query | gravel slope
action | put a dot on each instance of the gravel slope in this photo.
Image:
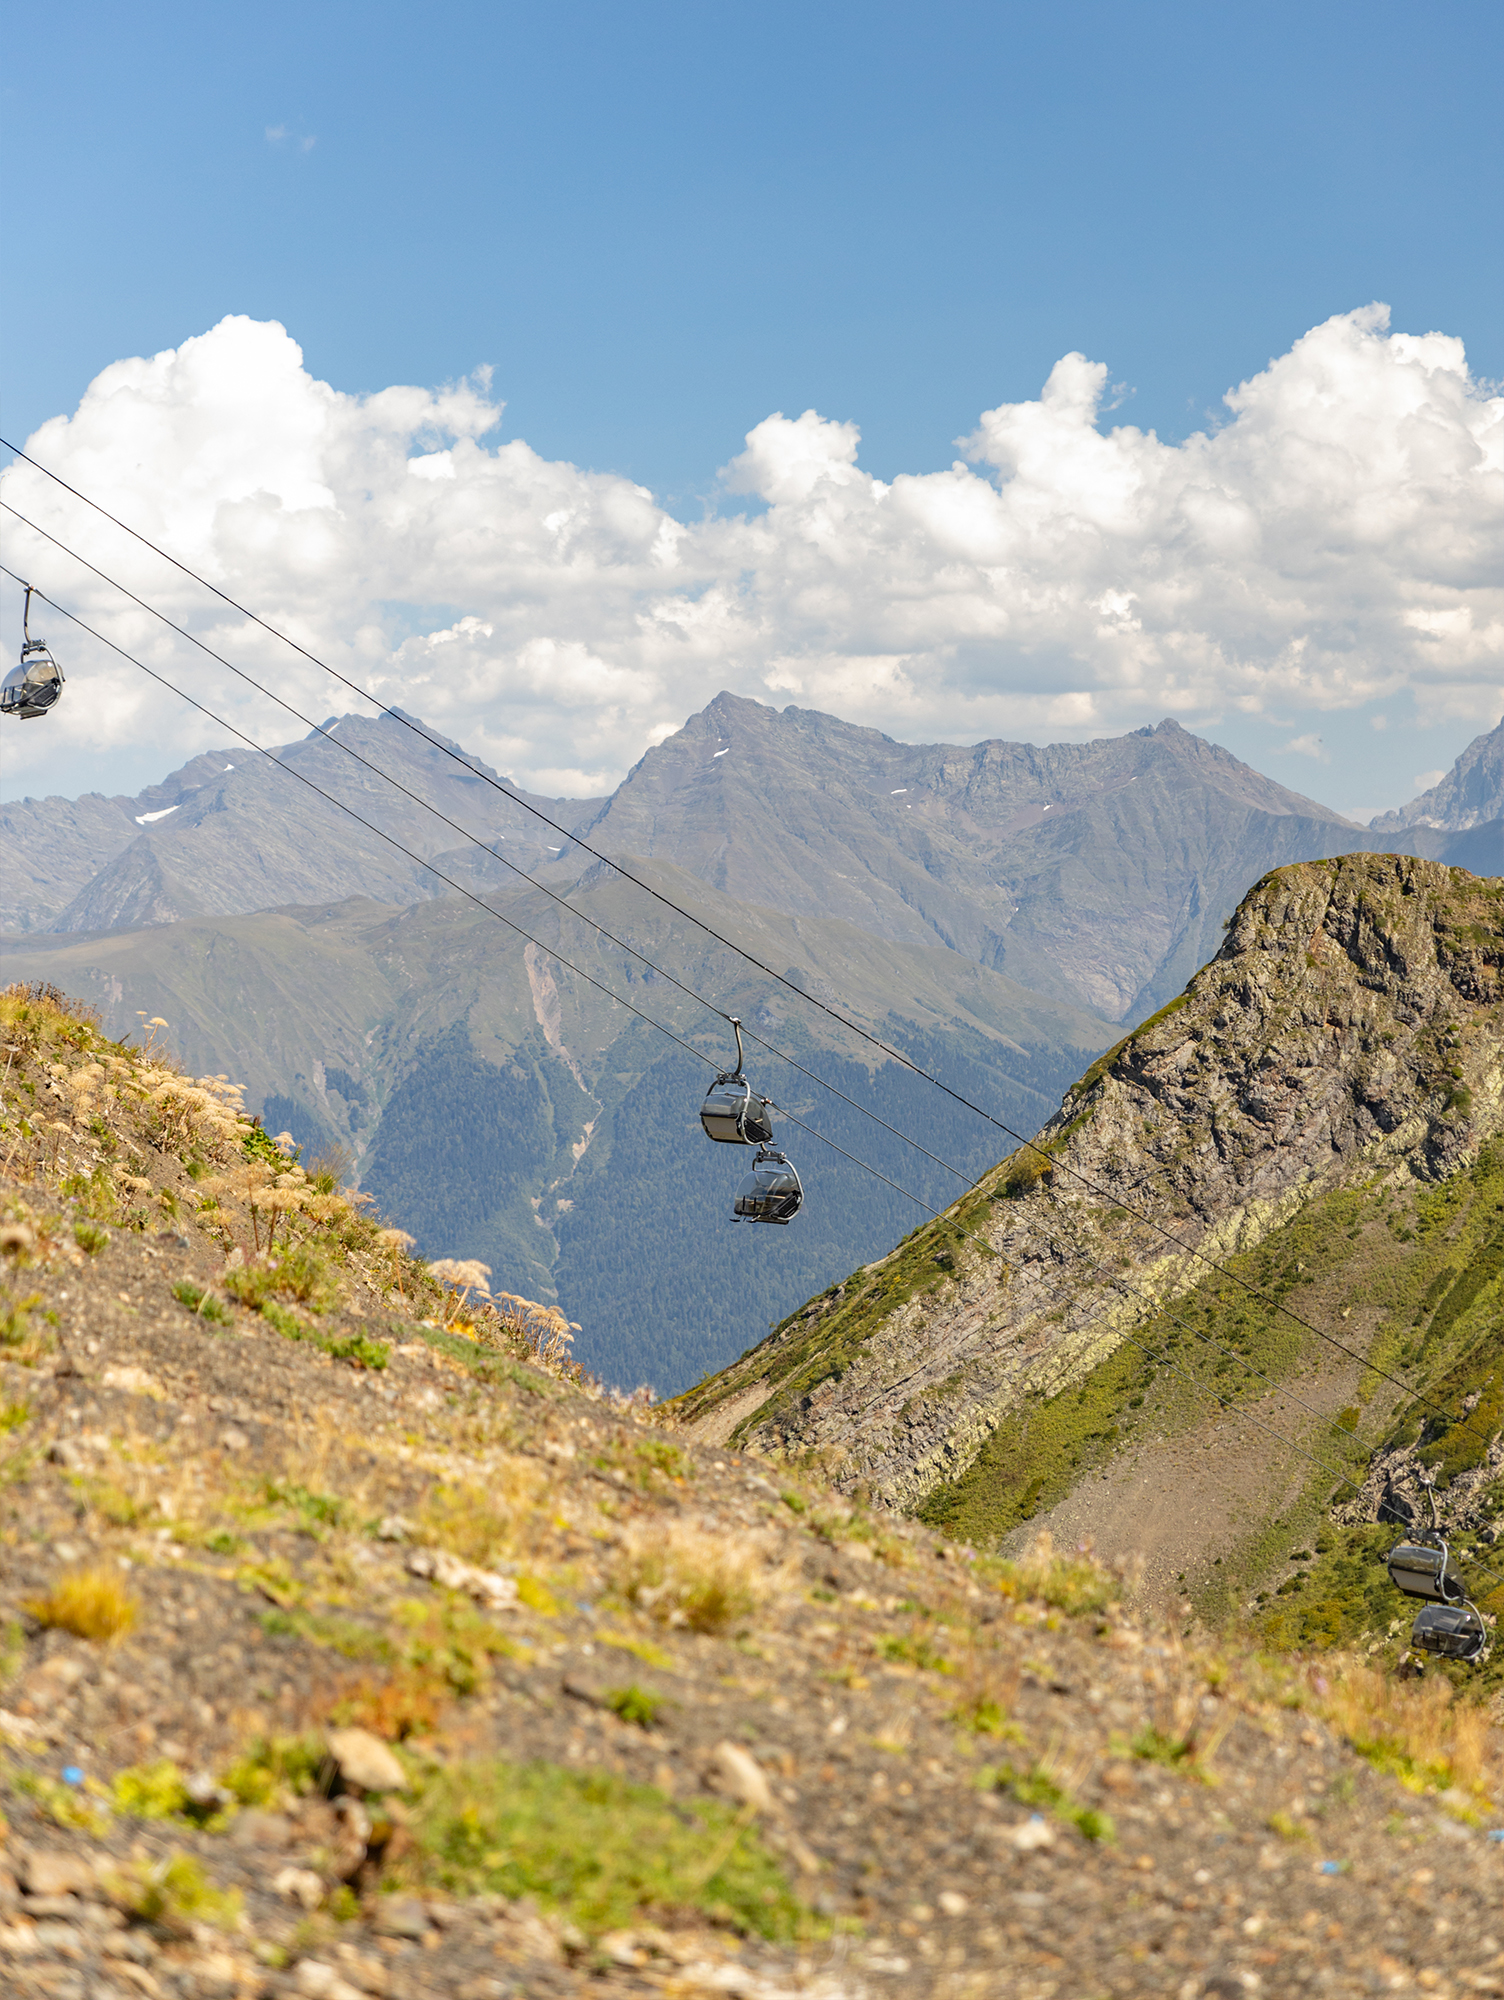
(914, 1737)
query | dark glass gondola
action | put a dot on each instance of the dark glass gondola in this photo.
(732, 1113)
(771, 1192)
(1424, 1568)
(1455, 1631)
(31, 687)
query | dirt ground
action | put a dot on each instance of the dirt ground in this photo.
(964, 1777)
(1166, 1513)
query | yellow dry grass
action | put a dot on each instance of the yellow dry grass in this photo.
(682, 1577)
(1417, 1730)
(485, 1524)
(90, 1603)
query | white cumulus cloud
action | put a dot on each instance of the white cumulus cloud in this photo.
(1338, 538)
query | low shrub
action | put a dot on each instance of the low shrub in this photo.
(598, 1849)
(684, 1578)
(634, 1704)
(90, 1603)
(201, 1302)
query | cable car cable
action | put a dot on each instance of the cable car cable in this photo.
(318, 729)
(895, 1054)
(459, 889)
(1331, 1465)
(392, 841)
(573, 838)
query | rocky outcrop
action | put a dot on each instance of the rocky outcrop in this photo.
(1352, 1025)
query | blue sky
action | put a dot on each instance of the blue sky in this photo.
(658, 224)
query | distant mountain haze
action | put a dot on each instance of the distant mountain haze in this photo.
(229, 833)
(1100, 873)
(1470, 795)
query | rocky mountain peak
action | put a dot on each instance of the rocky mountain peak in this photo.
(1349, 1027)
(1471, 794)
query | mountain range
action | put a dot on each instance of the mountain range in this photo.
(230, 832)
(1470, 795)
(995, 912)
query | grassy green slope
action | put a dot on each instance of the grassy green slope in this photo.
(1418, 1271)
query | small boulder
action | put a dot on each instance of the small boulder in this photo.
(299, 1885)
(133, 1381)
(401, 1917)
(320, 1981)
(486, 1586)
(50, 1872)
(365, 1761)
(743, 1776)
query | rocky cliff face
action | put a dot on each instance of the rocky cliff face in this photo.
(1351, 1029)
(1471, 794)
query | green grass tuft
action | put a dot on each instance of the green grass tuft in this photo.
(599, 1850)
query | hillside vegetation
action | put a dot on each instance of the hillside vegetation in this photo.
(1102, 1338)
(352, 1642)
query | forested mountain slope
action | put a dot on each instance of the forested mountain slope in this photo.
(1321, 1114)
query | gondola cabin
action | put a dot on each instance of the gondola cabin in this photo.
(1425, 1569)
(1455, 1631)
(771, 1192)
(733, 1115)
(32, 686)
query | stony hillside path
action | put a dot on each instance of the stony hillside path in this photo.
(474, 1558)
(956, 1890)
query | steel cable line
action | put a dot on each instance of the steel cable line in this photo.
(318, 729)
(395, 715)
(459, 888)
(876, 1041)
(1475, 1562)
(1332, 1466)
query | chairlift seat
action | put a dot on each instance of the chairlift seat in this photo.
(1455, 1631)
(733, 1116)
(1425, 1569)
(31, 687)
(771, 1192)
